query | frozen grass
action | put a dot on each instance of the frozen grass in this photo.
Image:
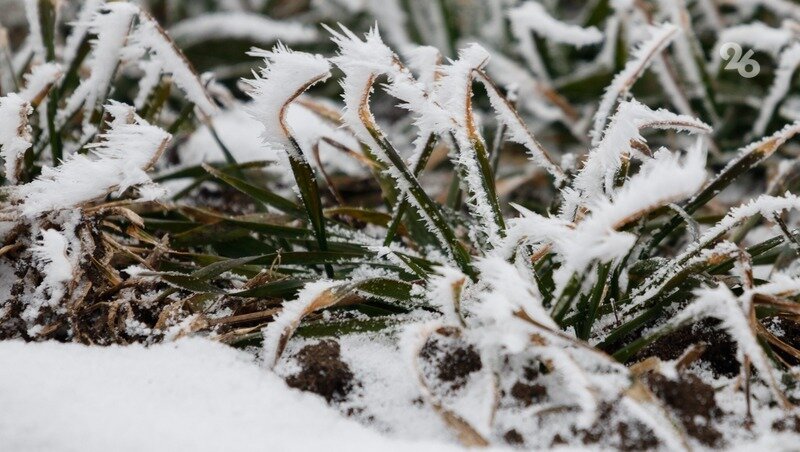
(525, 223)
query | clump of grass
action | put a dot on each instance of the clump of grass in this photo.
(565, 221)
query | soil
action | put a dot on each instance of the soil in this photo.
(720, 352)
(514, 438)
(528, 394)
(453, 359)
(612, 432)
(692, 401)
(787, 424)
(323, 372)
(789, 332)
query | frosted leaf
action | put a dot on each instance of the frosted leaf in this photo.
(444, 291)
(641, 58)
(506, 281)
(119, 161)
(50, 256)
(313, 296)
(518, 132)
(661, 180)
(150, 36)
(111, 24)
(15, 133)
(285, 76)
(35, 36)
(605, 159)
(755, 35)
(39, 81)
(788, 63)
(530, 17)
(79, 30)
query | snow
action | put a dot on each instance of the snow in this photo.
(239, 25)
(193, 394)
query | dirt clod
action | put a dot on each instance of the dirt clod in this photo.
(323, 371)
(528, 394)
(514, 438)
(720, 351)
(454, 359)
(789, 423)
(613, 432)
(693, 403)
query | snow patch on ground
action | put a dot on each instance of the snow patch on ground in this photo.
(193, 394)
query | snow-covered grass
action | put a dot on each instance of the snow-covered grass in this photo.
(495, 223)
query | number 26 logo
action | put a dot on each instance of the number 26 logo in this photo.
(746, 65)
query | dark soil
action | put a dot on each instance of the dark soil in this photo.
(452, 358)
(789, 332)
(720, 352)
(528, 394)
(323, 371)
(693, 403)
(514, 438)
(614, 433)
(787, 424)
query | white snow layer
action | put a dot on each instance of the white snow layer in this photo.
(193, 394)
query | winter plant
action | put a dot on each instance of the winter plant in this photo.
(531, 222)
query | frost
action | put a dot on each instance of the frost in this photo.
(15, 133)
(313, 296)
(149, 35)
(604, 160)
(111, 24)
(50, 253)
(788, 62)
(119, 161)
(641, 59)
(284, 77)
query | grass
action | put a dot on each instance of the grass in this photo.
(228, 250)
